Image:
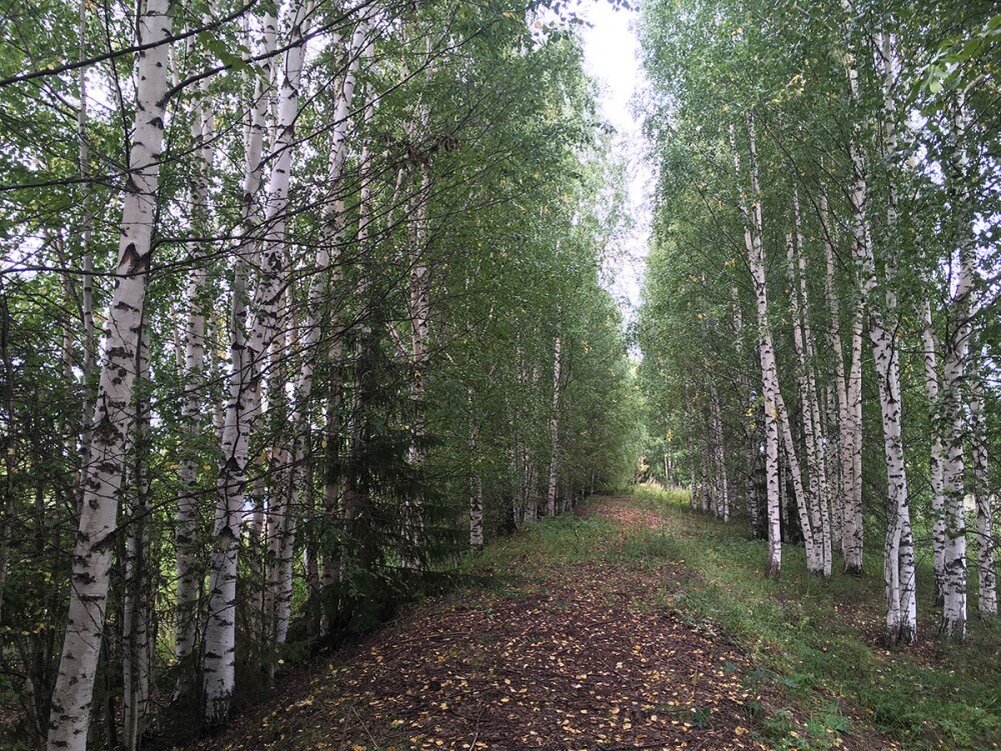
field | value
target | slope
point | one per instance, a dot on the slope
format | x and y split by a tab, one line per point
574	638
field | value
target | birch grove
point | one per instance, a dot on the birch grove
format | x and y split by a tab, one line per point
353	262
842	196
332	219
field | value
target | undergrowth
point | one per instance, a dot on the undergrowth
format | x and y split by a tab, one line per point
818	640
815	642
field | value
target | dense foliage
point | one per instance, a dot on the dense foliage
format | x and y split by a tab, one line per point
353	326
819	325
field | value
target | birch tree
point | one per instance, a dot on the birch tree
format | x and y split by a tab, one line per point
247	356
70	714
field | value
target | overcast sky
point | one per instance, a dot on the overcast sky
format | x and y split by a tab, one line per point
611	50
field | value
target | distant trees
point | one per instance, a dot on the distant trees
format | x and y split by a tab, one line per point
828	172
352	328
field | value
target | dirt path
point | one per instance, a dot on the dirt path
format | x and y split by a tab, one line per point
572	656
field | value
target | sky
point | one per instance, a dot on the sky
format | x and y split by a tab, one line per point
611	51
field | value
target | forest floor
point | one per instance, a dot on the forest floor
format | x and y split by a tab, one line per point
616	628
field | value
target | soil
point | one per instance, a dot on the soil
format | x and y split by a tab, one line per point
575	656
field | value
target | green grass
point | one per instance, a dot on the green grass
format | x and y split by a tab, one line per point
562	540
817	639
814	642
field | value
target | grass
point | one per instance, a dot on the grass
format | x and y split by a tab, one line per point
817	679
815	643
818	639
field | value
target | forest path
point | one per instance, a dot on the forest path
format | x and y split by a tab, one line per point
570	650
574	645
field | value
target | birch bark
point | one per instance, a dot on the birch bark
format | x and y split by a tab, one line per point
954	376
138	636
719	455
554	432
192	381
861	238
766	351
812	409
898	571
248	354
475	484
87	263
70	716
813	552
326	280
747	484
848	481
933	390
987	594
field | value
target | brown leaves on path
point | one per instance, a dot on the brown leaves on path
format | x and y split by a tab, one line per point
576	658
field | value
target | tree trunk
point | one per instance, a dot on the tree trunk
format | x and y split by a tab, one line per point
937	459
747	483
815	552
955	373
861	239
719	455
219	662
851	523
138	632
192	382
898	572
87	262
987	576
774	404
812	405
554	432
71	699
766	352
475	485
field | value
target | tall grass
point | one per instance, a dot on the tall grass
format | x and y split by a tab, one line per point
820	638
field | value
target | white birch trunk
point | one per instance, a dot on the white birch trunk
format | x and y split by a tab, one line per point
850	515
248	354
321	291
420	311
475	484
192	381
86	235
937	458
554	432
354	499
70	714
861	239
814	552
719	455
278	495
333	213
747	484
898	573
811	406
332	482
853	534
987	596
137	606
766	351
907	630
955	373
774	403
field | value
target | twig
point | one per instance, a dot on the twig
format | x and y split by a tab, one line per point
375	743
476	732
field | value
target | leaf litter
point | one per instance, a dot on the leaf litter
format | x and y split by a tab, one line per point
572	656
